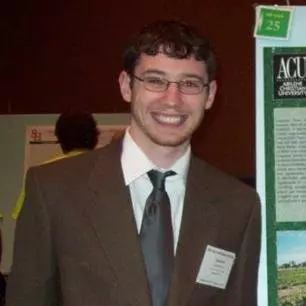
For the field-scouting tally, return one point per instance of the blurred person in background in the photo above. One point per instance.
(76, 132)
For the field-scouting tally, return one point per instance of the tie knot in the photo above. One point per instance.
(158, 178)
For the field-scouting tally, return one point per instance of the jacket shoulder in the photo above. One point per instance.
(218, 181)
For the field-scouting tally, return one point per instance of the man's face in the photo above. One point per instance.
(166, 118)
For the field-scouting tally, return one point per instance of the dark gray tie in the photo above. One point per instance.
(157, 238)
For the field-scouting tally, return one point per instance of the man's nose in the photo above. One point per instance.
(173, 94)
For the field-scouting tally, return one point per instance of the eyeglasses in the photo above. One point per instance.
(187, 87)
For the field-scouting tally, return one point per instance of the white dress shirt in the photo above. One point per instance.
(135, 165)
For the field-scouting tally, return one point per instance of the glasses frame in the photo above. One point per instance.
(167, 83)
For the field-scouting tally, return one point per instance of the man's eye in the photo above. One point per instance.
(191, 84)
(154, 81)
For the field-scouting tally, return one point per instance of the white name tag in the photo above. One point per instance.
(215, 267)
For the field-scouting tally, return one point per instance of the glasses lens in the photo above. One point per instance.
(191, 86)
(155, 84)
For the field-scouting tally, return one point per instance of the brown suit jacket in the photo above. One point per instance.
(76, 241)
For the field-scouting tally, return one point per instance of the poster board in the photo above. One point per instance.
(281, 164)
(41, 143)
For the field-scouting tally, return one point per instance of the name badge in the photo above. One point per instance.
(215, 267)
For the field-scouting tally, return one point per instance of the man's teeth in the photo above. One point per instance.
(169, 119)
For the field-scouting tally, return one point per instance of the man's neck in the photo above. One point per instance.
(160, 155)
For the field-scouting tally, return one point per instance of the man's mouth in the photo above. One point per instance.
(168, 119)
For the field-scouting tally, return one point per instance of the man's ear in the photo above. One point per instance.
(125, 86)
(211, 94)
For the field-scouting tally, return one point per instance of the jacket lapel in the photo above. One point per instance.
(111, 216)
(198, 229)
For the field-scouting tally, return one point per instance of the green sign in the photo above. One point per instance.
(273, 22)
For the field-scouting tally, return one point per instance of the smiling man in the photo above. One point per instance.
(142, 221)
(168, 99)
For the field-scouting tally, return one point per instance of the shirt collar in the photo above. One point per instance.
(135, 163)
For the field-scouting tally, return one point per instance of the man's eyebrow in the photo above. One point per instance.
(163, 74)
(192, 75)
(154, 71)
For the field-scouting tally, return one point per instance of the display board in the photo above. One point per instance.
(41, 143)
(281, 162)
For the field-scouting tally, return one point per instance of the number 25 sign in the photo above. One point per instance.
(273, 22)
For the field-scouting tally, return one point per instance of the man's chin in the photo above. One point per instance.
(169, 141)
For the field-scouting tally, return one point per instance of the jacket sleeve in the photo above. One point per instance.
(33, 278)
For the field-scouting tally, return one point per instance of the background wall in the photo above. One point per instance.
(59, 54)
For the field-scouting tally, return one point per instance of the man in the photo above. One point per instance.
(82, 236)
(76, 132)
